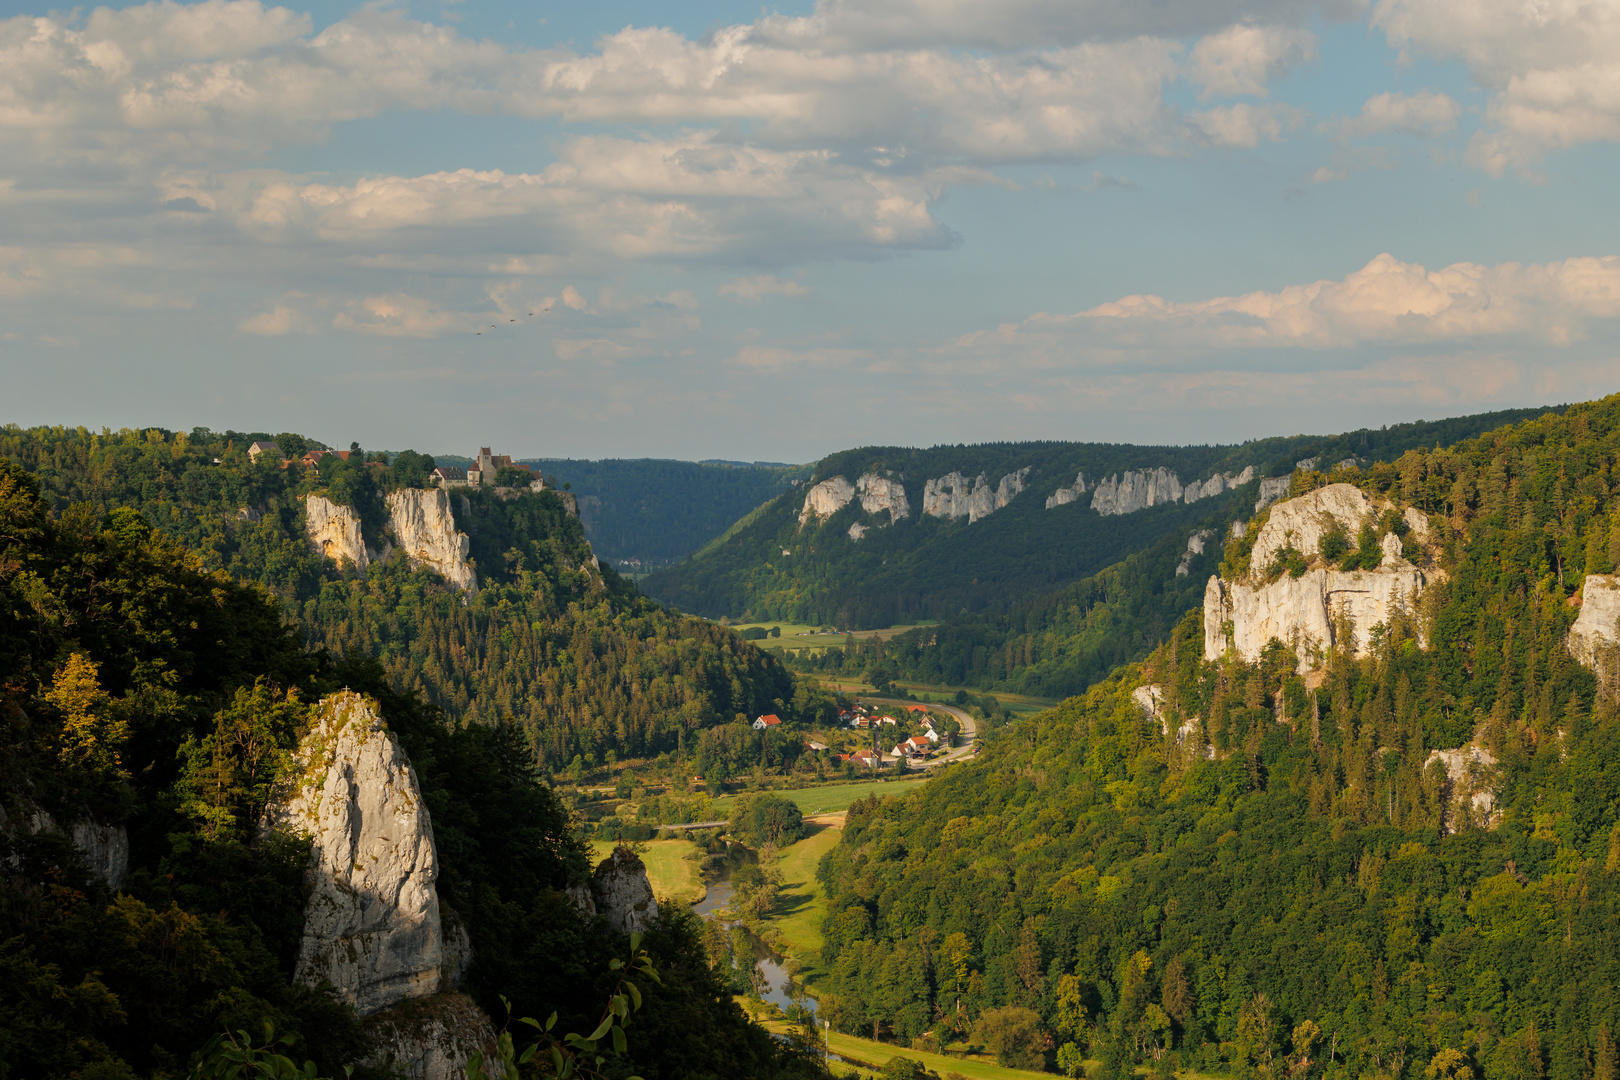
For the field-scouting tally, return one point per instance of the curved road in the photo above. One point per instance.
(969, 733)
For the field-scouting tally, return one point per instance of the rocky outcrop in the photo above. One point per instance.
(371, 926)
(856, 530)
(335, 532)
(880, 493)
(429, 1039)
(423, 527)
(1137, 490)
(622, 893)
(1215, 485)
(104, 848)
(1308, 612)
(1063, 496)
(1272, 488)
(1304, 612)
(1195, 546)
(825, 499)
(1301, 523)
(1470, 782)
(1596, 632)
(953, 495)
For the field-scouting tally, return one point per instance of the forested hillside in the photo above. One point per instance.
(143, 689)
(926, 567)
(1276, 875)
(570, 652)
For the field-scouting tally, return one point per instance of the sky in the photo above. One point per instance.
(769, 233)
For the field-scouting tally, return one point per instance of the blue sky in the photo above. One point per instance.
(771, 233)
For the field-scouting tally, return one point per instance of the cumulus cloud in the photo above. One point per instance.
(752, 289)
(1386, 302)
(1245, 58)
(1426, 115)
(691, 197)
(1553, 68)
(1244, 126)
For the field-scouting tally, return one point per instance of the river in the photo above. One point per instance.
(774, 979)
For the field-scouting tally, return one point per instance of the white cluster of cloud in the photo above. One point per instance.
(1553, 67)
(1387, 303)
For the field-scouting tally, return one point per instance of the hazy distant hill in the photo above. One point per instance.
(647, 512)
(924, 565)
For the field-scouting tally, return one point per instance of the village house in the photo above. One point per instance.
(917, 746)
(257, 448)
(769, 720)
(813, 746)
(930, 734)
(887, 721)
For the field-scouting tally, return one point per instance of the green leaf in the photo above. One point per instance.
(635, 995)
(552, 1022)
(619, 1041)
(601, 1029)
(635, 941)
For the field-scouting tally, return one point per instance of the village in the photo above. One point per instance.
(905, 743)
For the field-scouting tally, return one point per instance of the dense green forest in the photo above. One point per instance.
(144, 689)
(648, 512)
(570, 652)
(768, 567)
(1281, 880)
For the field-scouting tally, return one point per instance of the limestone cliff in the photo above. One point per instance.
(429, 1039)
(1310, 611)
(1137, 490)
(622, 893)
(1596, 631)
(371, 925)
(954, 496)
(1470, 785)
(1195, 546)
(104, 848)
(1302, 612)
(1063, 496)
(1216, 484)
(880, 493)
(825, 499)
(423, 527)
(1272, 488)
(335, 532)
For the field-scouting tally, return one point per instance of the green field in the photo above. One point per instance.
(1018, 704)
(801, 906)
(672, 875)
(830, 798)
(877, 1054)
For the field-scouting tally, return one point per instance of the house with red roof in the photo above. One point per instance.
(769, 720)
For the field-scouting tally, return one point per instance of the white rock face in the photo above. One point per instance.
(1216, 484)
(954, 496)
(335, 532)
(826, 499)
(372, 925)
(623, 894)
(423, 526)
(430, 1040)
(1597, 628)
(1063, 496)
(1272, 488)
(1470, 774)
(105, 848)
(1302, 522)
(1300, 612)
(1195, 546)
(880, 493)
(1137, 490)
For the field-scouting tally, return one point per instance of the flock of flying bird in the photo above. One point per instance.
(541, 312)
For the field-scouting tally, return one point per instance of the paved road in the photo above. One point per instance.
(969, 733)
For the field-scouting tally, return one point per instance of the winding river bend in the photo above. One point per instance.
(774, 979)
